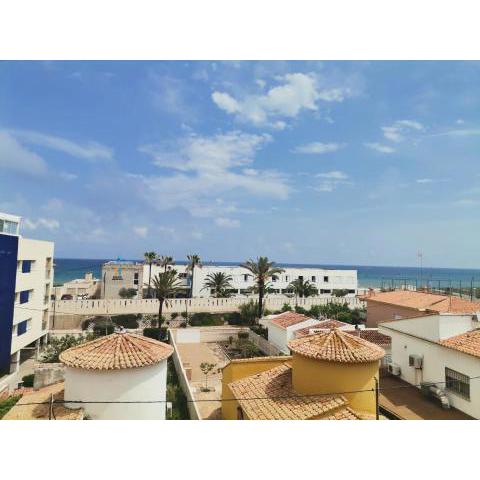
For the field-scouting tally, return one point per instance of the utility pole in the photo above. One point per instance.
(377, 404)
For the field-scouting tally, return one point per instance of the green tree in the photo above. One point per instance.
(262, 270)
(149, 257)
(193, 262)
(127, 292)
(58, 345)
(302, 288)
(219, 282)
(165, 260)
(166, 285)
(206, 369)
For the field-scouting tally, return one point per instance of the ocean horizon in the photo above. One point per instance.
(374, 276)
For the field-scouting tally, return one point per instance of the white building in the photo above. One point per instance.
(326, 281)
(443, 349)
(26, 279)
(79, 288)
(111, 374)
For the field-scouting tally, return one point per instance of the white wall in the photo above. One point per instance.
(281, 336)
(131, 384)
(436, 358)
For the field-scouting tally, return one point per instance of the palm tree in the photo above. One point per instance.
(193, 261)
(166, 285)
(165, 261)
(302, 288)
(219, 282)
(149, 257)
(262, 270)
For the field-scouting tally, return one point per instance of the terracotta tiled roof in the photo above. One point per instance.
(326, 324)
(287, 319)
(270, 396)
(468, 342)
(372, 335)
(115, 352)
(424, 301)
(336, 346)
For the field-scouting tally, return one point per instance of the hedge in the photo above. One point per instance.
(153, 332)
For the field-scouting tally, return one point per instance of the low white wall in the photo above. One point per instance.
(182, 378)
(193, 305)
(131, 384)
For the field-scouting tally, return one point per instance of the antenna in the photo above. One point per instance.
(420, 259)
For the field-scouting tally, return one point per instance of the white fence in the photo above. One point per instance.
(192, 305)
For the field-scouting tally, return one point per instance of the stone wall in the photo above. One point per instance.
(48, 374)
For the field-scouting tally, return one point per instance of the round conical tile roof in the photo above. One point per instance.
(116, 352)
(337, 346)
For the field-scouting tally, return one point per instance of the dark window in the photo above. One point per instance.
(274, 278)
(300, 277)
(325, 279)
(323, 290)
(458, 383)
(314, 278)
(24, 296)
(240, 413)
(26, 266)
(135, 278)
(245, 278)
(22, 327)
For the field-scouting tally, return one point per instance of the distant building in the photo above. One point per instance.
(324, 280)
(440, 354)
(26, 279)
(120, 274)
(80, 288)
(115, 372)
(330, 376)
(396, 304)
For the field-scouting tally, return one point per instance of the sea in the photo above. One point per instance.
(67, 269)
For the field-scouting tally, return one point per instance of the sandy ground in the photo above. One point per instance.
(41, 412)
(195, 354)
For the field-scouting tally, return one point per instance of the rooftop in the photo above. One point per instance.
(424, 301)
(468, 343)
(287, 319)
(326, 324)
(336, 346)
(270, 396)
(115, 352)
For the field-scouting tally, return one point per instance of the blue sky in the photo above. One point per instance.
(306, 162)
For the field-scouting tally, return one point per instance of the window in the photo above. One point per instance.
(274, 278)
(286, 278)
(27, 266)
(24, 296)
(9, 227)
(300, 277)
(245, 277)
(182, 275)
(22, 327)
(314, 278)
(457, 383)
(325, 279)
(135, 278)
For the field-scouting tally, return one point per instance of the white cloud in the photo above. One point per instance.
(227, 222)
(379, 147)
(296, 92)
(331, 180)
(318, 148)
(141, 232)
(47, 223)
(204, 168)
(424, 180)
(463, 132)
(14, 156)
(397, 131)
(68, 176)
(86, 150)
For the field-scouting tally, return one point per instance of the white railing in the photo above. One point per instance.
(192, 305)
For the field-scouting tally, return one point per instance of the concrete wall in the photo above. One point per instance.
(435, 359)
(116, 276)
(193, 305)
(131, 384)
(280, 337)
(48, 374)
(378, 312)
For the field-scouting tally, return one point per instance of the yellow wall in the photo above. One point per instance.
(238, 369)
(311, 376)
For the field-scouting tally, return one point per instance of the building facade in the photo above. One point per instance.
(26, 280)
(441, 349)
(120, 274)
(79, 289)
(324, 280)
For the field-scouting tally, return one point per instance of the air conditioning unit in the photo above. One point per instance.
(415, 361)
(394, 369)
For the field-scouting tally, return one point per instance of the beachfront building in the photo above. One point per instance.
(326, 281)
(331, 375)
(122, 274)
(79, 288)
(26, 279)
(117, 371)
(440, 354)
(397, 304)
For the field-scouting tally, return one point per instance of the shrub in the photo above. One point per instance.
(126, 321)
(102, 330)
(205, 319)
(233, 318)
(174, 315)
(127, 292)
(155, 333)
(286, 308)
(248, 313)
(243, 335)
(260, 330)
(301, 310)
(28, 380)
(57, 346)
(7, 404)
